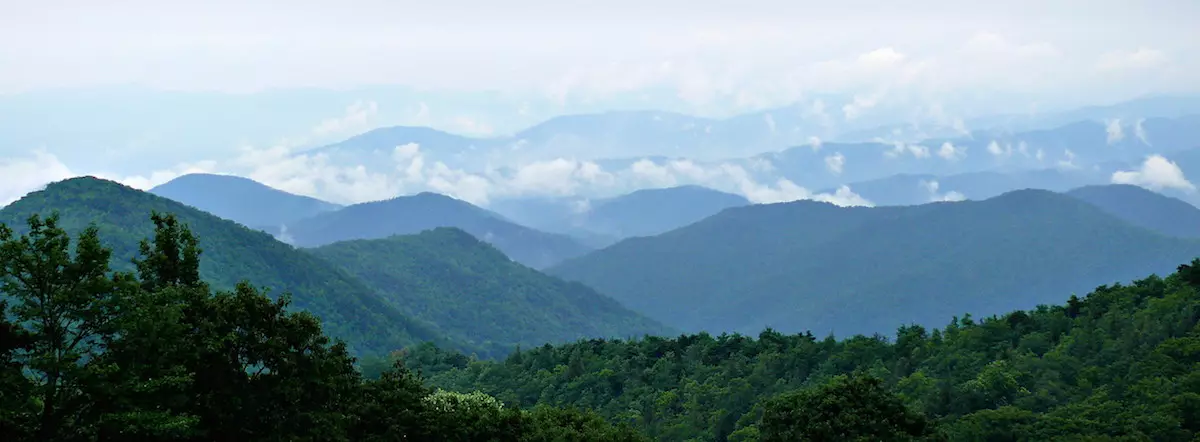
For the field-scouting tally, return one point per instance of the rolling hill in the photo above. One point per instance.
(472, 291)
(815, 266)
(231, 253)
(246, 201)
(413, 214)
(1143, 207)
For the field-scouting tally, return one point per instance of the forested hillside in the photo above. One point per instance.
(1122, 363)
(1145, 208)
(814, 266)
(231, 253)
(472, 291)
(156, 355)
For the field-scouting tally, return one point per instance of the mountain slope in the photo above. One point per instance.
(231, 253)
(468, 288)
(815, 266)
(413, 214)
(246, 201)
(1143, 207)
(643, 212)
(652, 211)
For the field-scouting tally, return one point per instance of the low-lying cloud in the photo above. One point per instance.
(1155, 173)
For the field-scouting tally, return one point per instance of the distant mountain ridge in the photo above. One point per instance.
(1145, 208)
(815, 266)
(240, 199)
(416, 213)
(643, 212)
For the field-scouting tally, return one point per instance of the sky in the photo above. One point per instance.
(945, 59)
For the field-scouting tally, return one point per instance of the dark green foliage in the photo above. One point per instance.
(854, 408)
(413, 214)
(813, 266)
(97, 355)
(473, 292)
(349, 309)
(241, 199)
(15, 406)
(1145, 208)
(1122, 363)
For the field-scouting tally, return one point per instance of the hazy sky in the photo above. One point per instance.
(714, 58)
(754, 52)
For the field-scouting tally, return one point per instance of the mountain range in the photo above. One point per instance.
(230, 253)
(378, 295)
(416, 213)
(815, 266)
(644, 212)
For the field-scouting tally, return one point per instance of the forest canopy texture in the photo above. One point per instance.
(155, 353)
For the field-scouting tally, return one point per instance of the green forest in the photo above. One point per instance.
(91, 351)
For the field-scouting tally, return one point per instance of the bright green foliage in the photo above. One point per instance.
(1122, 362)
(159, 356)
(473, 292)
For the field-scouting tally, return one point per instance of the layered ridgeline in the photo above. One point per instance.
(231, 253)
(913, 189)
(1142, 207)
(240, 199)
(476, 294)
(1118, 364)
(413, 214)
(643, 212)
(814, 266)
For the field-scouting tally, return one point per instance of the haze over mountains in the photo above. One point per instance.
(815, 266)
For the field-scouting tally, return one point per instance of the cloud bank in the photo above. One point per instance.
(1155, 173)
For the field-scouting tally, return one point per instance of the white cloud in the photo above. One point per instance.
(932, 187)
(770, 120)
(997, 150)
(950, 152)
(581, 206)
(1155, 173)
(899, 148)
(357, 118)
(1068, 161)
(24, 175)
(814, 143)
(1113, 129)
(860, 104)
(1140, 132)
(1040, 154)
(161, 176)
(27, 174)
(951, 196)
(835, 163)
